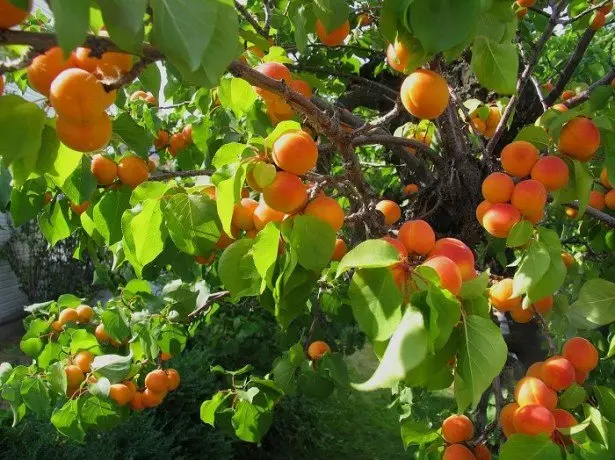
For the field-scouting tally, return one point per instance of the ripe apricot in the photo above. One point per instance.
(295, 152)
(563, 418)
(498, 188)
(458, 452)
(494, 117)
(150, 398)
(157, 381)
(571, 212)
(609, 199)
(580, 376)
(424, 94)
(482, 209)
(390, 210)
(534, 419)
(110, 65)
(567, 94)
(526, 3)
(302, 87)
(403, 252)
(101, 334)
(85, 313)
(173, 377)
(482, 452)
(579, 139)
(84, 360)
(225, 240)
(457, 429)
(341, 249)
(132, 171)
(187, 133)
(57, 326)
(560, 107)
(500, 218)
(558, 373)
(104, 169)
(604, 178)
(568, 259)
(597, 20)
(596, 200)
(120, 393)
(326, 209)
(243, 214)
(521, 13)
(529, 196)
(459, 253)
(286, 193)
(80, 208)
(317, 349)
(364, 19)
(552, 172)
(581, 353)
(162, 139)
(448, 272)
(535, 370)
(203, 260)
(11, 15)
(74, 375)
(88, 136)
(1, 81)
(273, 70)
(398, 55)
(531, 390)
(506, 419)
(417, 236)
(132, 388)
(137, 402)
(335, 37)
(519, 315)
(68, 315)
(263, 214)
(478, 125)
(606, 9)
(177, 143)
(518, 158)
(544, 305)
(410, 189)
(46, 67)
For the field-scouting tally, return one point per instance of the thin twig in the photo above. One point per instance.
(545, 331)
(583, 96)
(248, 17)
(595, 213)
(129, 76)
(212, 298)
(172, 174)
(591, 9)
(388, 140)
(384, 120)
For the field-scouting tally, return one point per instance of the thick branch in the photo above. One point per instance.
(388, 140)
(583, 96)
(595, 213)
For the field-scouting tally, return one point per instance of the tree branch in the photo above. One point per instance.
(389, 140)
(382, 121)
(211, 299)
(248, 17)
(583, 96)
(591, 9)
(129, 76)
(173, 174)
(595, 213)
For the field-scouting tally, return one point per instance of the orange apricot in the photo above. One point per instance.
(157, 381)
(341, 249)
(57, 326)
(567, 94)
(173, 377)
(243, 214)
(500, 296)
(295, 152)
(609, 199)
(597, 20)
(390, 210)
(478, 125)
(506, 419)
(302, 87)
(563, 418)
(317, 349)
(85, 313)
(518, 158)
(580, 376)
(335, 37)
(410, 189)
(521, 13)
(403, 252)
(364, 19)
(606, 9)
(398, 55)
(417, 236)
(46, 67)
(571, 212)
(558, 373)
(104, 169)
(326, 209)
(150, 398)
(420, 136)
(494, 117)
(457, 429)
(132, 171)
(11, 15)
(177, 143)
(500, 218)
(84, 360)
(529, 196)
(101, 333)
(526, 3)
(162, 139)
(498, 188)
(263, 214)
(424, 94)
(74, 375)
(87, 136)
(482, 452)
(458, 452)
(534, 419)
(459, 253)
(604, 178)
(552, 172)
(80, 208)
(535, 370)
(482, 209)
(544, 305)
(147, 97)
(560, 107)
(225, 240)
(581, 353)
(596, 200)
(568, 259)
(204, 260)
(120, 393)
(531, 390)
(1, 81)
(579, 139)
(109, 66)
(273, 70)
(68, 315)
(187, 134)
(519, 315)
(286, 193)
(548, 87)
(448, 272)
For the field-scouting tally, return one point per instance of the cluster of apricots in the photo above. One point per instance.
(500, 296)
(82, 314)
(457, 430)
(602, 200)
(535, 408)
(175, 143)
(487, 126)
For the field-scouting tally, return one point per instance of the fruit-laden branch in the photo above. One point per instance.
(584, 95)
(601, 216)
(211, 299)
(570, 67)
(589, 10)
(388, 140)
(525, 76)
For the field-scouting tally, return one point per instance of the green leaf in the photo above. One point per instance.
(150, 78)
(300, 17)
(596, 302)
(237, 270)
(71, 22)
(535, 135)
(5, 188)
(228, 154)
(32, 346)
(417, 433)
(495, 64)
(332, 13)
(598, 428)
(481, 358)
(21, 128)
(57, 378)
(237, 95)
(584, 182)
(133, 134)
(27, 200)
(314, 242)
(369, 254)
(108, 214)
(533, 266)
(114, 367)
(265, 252)
(228, 193)
(444, 313)
(116, 324)
(312, 384)
(211, 406)
(281, 128)
(66, 420)
(51, 352)
(406, 350)
(171, 338)
(80, 339)
(148, 232)
(35, 395)
(180, 298)
(375, 302)
(572, 397)
(99, 412)
(333, 366)
(520, 234)
(476, 287)
(529, 448)
(251, 421)
(80, 185)
(606, 401)
(285, 375)
(292, 294)
(56, 226)
(124, 22)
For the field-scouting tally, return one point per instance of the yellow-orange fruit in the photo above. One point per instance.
(101, 334)
(521, 13)
(563, 418)
(273, 70)
(341, 249)
(417, 236)
(518, 158)
(165, 356)
(558, 373)
(286, 193)
(46, 67)
(535, 216)
(403, 252)
(10, 15)
(519, 315)
(535, 370)
(150, 398)
(571, 212)
(526, 3)
(226, 240)
(448, 272)
(604, 178)
(579, 139)
(390, 210)
(609, 199)
(80, 208)
(552, 172)
(364, 20)
(567, 94)
(498, 188)
(568, 259)
(132, 171)
(334, 38)
(420, 136)
(302, 87)
(85, 313)
(424, 94)
(137, 402)
(88, 136)
(173, 377)
(104, 169)
(1, 82)
(177, 143)
(494, 117)
(74, 375)
(109, 65)
(263, 214)
(560, 107)
(317, 349)
(187, 133)
(147, 97)
(482, 209)
(410, 189)
(478, 125)
(457, 429)
(398, 55)
(243, 214)
(529, 196)
(581, 353)
(459, 253)
(68, 315)
(544, 305)
(84, 360)
(596, 200)
(132, 388)
(580, 376)
(530, 390)
(57, 326)
(597, 20)
(482, 452)
(157, 381)
(458, 452)
(120, 393)
(500, 218)
(606, 9)
(78, 96)
(326, 209)
(204, 260)
(162, 139)
(295, 152)
(534, 419)
(548, 87)
(506, 419)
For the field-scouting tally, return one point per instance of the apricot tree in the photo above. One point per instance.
(437, 173)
